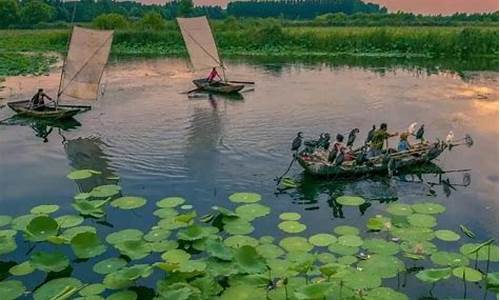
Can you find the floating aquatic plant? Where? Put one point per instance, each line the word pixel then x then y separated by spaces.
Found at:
pixel 350 200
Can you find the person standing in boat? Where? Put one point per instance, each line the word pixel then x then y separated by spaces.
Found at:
pixel 213 74
pixel 378 139
pixel 339 147
pixel 37 101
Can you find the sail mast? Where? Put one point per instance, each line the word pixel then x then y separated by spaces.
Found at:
pixel 66 56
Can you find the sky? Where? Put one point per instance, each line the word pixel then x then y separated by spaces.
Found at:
pixel 416 6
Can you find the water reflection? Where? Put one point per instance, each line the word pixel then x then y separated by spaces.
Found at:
pixel 42 128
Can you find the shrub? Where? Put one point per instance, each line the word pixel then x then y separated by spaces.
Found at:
pixel 110 21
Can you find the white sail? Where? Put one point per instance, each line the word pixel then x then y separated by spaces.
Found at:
pixel 200 43
pixel 87 55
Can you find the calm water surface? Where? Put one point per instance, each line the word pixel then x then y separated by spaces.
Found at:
pixel 160 143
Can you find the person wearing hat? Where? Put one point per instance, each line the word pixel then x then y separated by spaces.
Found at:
pixel 403 142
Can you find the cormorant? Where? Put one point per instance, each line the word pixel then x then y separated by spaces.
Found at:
pixel 420 133
pixel 369 137
pixel 297 141
pixel 339 159
pixel 352 137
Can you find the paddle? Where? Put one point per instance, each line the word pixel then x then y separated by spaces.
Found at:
pixel 191 91
pixel 244 82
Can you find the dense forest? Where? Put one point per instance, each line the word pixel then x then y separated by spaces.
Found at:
pixel 59 13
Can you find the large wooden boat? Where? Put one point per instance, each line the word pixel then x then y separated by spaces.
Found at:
pixel 22 108
pixel 316 163
pixel 218 86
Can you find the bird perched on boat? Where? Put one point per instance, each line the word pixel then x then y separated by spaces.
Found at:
pixel 352 137
pixel 420 133
pixel 369 137
pixel 412 128
pixel 324 140
pixel 450 137
pixel 297 142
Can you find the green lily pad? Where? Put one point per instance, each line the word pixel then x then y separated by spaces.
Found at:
pixel 313 291
pixel 7 244
pixel 249 261
pixel 128 202
pixel 418 248
pixel 413 233
pixel 384 293
pixel 44 209
pixel 326 258
pixel 421 220
pixel 193 232
pixel 163 246
pixel 346 230
pixel 350 200
pixel 362 280
pixel 21 222
pixel 382 266
pixel 292 226
pixel 243 292
pixel 87 245
pixel 447 235
pixel 342 249
pixel 67 221
pixel 379 223
pixel 449 259
pixel 380 246
pixel 11 289
pixel 252 211
pixel 92 289
pixel 429 208
pixel 170 202
pixel 399 209
pixel 109 265
pixel 50 290
pixel 105 191
pixel 93 208
pixel 434 275
pixel 218 250
pixel 126 277
pixel 322 239
pixel 124 235
pixel 42 227
pixel 290 216
pixel 245 197
pixel 236 241
pixel 49 261
pixel 5 220
pixel 350 240
pixel 80 174
pixel 482 254
pixel 347 260
pixel 267 239
pixel 269 251
pixel 82 196
pixel 296 244
pixel 134 249
pixel 22 269
pixel 468 274
pixel 70 233
pixel 238 226
pixel 123 295
pixel 157 234
pixel 176 256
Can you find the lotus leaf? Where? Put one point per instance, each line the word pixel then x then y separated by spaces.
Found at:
pixel 313 291
pixel 41 227
pixel 468 274
pixel 20 223
pixel 128 202
pixel 362 280
pixel 238 226
pixel 482 253
pixel 124 235
pixel 237 241
pixel 252 211
pixel 249 261
pixel 170 202
pixel 70 233
pixel 322 239
pixel 421 220
pixel 67 221
pixel 269 251
pixel 267 239
pixel 105 191
pixel 399 209
pixel 347 260
pixel 166 212
pixel 492 281
pixel 134 249
pixel 225 212
pixel 49 261
pixel 326 258
pixel 89 208
pixel 296 244
pixel 7 244
pixel 82 196
pixel 5 220
pixel 350 241
pixel 87 245
pixel 22 269
pixel 11 289
pixel 92 289
pixel 447 235
pixel 379 223
pixel 292 226
pixel 434 275
pixel 123 295
pixel 176 256
pixel 342 249
pixel 429 208
pixel 56 287
pixel 243 292
pixel 80 174
pixel 125 277
pixel 245 197
pixel 207 285
pixel 451 259
pixel 418 248
pixel 218 250
pixel 383 266
pixel 109 265
pixel 191 266
pixel 157 234
pixel 413 233
pixel 380 246
pixel 346 230
pixel 192 233
pixel 44 209
pixel 290 216
pixel 350 200
pixel 163 246
pixel 384 293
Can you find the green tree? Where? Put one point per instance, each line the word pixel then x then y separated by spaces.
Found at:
pixel 185 7
pixel 110 21
pixel 36 11
pixel 152 21
pixel 9 12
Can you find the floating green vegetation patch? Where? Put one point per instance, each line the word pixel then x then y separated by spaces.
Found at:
pixel 218 255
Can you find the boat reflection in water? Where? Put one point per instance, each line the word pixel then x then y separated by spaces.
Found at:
pixel 42 128
pixel 422 181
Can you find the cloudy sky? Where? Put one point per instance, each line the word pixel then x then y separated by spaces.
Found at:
pixel 416 6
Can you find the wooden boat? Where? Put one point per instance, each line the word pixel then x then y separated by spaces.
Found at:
pixel 317 164
pixel 218 87
pixel 22 108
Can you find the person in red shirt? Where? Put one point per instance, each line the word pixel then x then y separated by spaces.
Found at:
pixel 213 74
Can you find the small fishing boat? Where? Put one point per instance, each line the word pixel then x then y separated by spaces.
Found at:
pixel 22 108
pixel 218 87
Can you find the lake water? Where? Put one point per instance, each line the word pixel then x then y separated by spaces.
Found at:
pixel 162 143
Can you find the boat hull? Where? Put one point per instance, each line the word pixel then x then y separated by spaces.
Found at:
pixel 218 87
pixel 62 111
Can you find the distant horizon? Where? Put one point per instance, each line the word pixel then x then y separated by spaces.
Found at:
pixel 430 7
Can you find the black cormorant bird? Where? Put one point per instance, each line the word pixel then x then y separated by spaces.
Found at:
pixel 339 159
pixel 369 137
pixel 297 141
pixel 352 137
pixel 420 133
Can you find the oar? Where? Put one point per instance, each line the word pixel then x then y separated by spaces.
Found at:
pixel 191 91
pixel 244 82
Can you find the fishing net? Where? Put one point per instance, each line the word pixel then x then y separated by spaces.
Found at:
pixel 199 42
pixel 87 55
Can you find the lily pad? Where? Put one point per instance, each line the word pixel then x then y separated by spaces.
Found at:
pixel 193 232
pixel 5 220
pixel 429 208
pixel 400 209
pixel 413 233
pixel 11 289
pixel 44 209
pixel 20 223
pixel 237 241
pixel 449 259
pixel 296 244
pixel 362 280
pixel 49 261
pixel 22 269
pixel 482 253
pixel 350 200
pixel 238 226
pixel 346 230
pixel 322 239
pixel 92 289
pixel 109 265
pixel 126 277
pixel 42 227
pixel 70 233
pixel 421 220
pixel 385 293
pixel 269 251
pixel 347 260
pixel 382 266
pixel 342 249
pixel 292 226
pixel 249 261
pixel 380 246
pixel 434 275
pixel 123 295
pixel 67 221
pixel 170 202
pixel 80 174
pixel 128 202
pixel 218 250
pixel 252 211
pixel 379 223
pixel 87 245
pixel 313 291
pixel 350 240
pixel 105 191
pixel 245 197
pixel 166 212
pixel 55 287
pixel 243 292
pixel 290 216
pixel 468 274
pixel 134 249
pixel 157 234
pixel 447 235
pixel 124 235
pixel 176 256
pixel 418 248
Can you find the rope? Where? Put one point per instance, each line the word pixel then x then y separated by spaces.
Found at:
pixel 219 63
